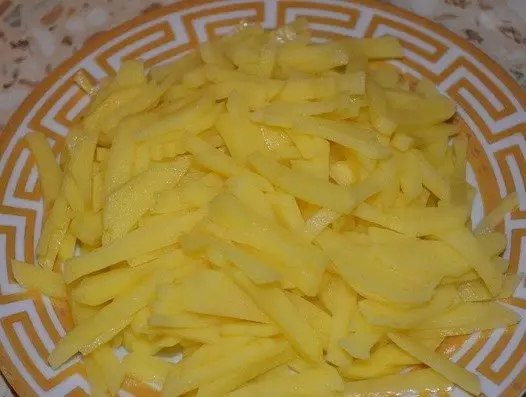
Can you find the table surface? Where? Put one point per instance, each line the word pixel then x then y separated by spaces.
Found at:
pixel 37 35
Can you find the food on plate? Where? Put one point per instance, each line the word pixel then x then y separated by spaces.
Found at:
pixel 285 218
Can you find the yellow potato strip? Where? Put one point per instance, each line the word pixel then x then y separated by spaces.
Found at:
pixel 439 363
pixel 488 223
pixel 107 322
pixel 274 303
pixel 421 381
pixel 148 238
pixel 48 169
pixel 35 278
pixel 312 190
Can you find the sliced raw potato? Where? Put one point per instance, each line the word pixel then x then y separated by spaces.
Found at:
pixel 244 375
pixel 419 381
pixel 318 319
pixel 158 234
pixel 48 169
pixel 472 317
pixel 274 303
pixel 185 381
pixel 380 281
pixel 507 205
pixel 312 190
pixel 147 369
pixel 126 205
pixel 212 293
pixel 439 363
pixel 315 382
pixel 476 291
pixel 36 278
pixel 466 244
pixel 106 323
pixel 247 227
pixel 398 318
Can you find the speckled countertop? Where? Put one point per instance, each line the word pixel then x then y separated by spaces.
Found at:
pixel 37 35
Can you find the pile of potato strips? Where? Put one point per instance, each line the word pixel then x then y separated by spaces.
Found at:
pixel 284 218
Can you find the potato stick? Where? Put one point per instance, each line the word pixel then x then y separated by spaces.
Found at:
pixel 412 221
pixel 440 364
pixel 178 120
pixel 172 72
pixel 247 227
pixel 249 194
pixel 379 109
pixel 420 381
pixel 383 315
pixel 73 195
pixel 286 209
pixel 156 235
pixel 125 206
pixel 384 287
pixel 252 266
pixel 338 198
pixel 431 179
pixel 81 163
pixel 84 81
pixel 100 288
pixel 67 248
pixel 53 233
pixel 313 58
pixel 183 320
pixel 48 169
pixel 345 133
pixel 149 98
pixel 343 307
pixel 492 243
pixel 318 319
pixel 459 185
pixel 111 367
pixel 496 216
pixel 87 227
pixel 465 243
pixel 246 356
pixel 147 369
pixel 473 316
pixel 314 382
pixel 108 322
pixel 476 291
pixel 95 377
pixel 310 88
pixel 120 161
pixel 221 163
pixel 256 330
pixel 319 221
pixel 131 72
pixel 222 386
pixel 209 353
pixel 359 345
pixel 274 303
pixel 428 135
pixel 377 48
pixel 36 278
pixel 221 299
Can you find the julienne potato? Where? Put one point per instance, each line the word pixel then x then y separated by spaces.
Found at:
pixel 291 219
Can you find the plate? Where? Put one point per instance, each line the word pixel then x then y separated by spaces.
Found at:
pixel 490 111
